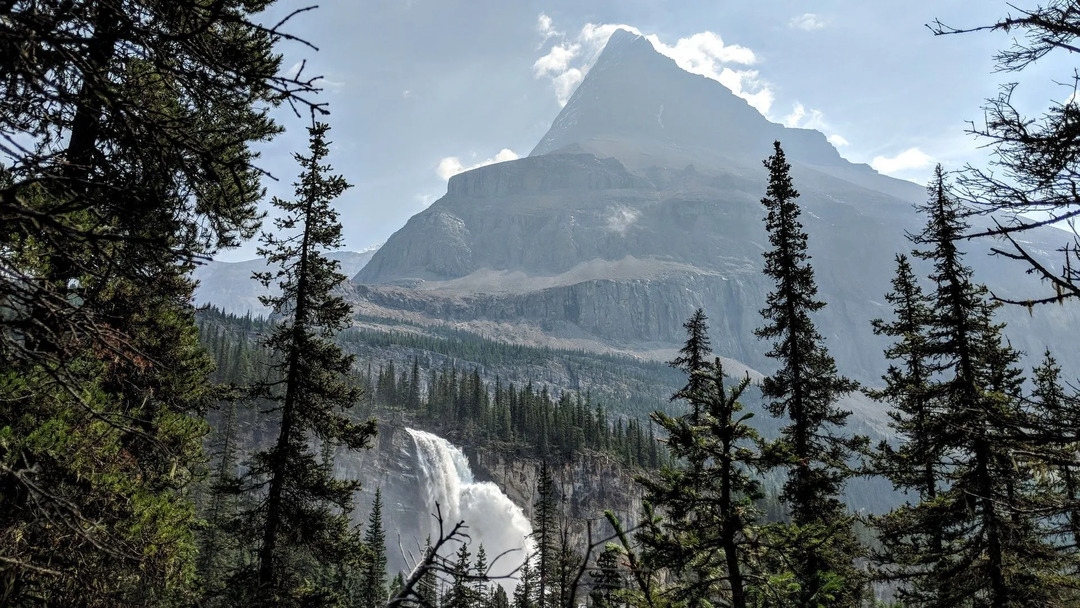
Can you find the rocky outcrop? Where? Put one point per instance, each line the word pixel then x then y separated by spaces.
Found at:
pixel 641 204
pixel 587 485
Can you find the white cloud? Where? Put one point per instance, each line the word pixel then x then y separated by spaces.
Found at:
pixel 801 118
pixel 912 158
pixel 838 140
pixel 807 21
pixel 452 165
pixel 703 53
pixel 557 60
pixel 546 28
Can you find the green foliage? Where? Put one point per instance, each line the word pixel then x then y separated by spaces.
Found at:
pixel 978 537
pixel 805 388
pixel 302 517
pixel 705 536
pixel 373 575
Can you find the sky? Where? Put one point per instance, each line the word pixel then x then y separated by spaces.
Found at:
pixel 419 90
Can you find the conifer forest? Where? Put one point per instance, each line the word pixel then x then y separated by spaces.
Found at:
pixel 577 380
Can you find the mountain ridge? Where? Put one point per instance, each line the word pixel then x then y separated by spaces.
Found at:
pixel 617 227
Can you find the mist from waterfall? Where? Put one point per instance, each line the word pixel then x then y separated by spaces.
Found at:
pixel 493 520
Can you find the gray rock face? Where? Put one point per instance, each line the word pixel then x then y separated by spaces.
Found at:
pixel 642 203
pixel 589 484
pixel 586 486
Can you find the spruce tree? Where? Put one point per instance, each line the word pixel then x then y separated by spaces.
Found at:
pixel 694 355
pixel 912 466
pixel 459 593
pixel 546 534
pixel 607 579
pixel 1057 426
pixel 992 551
pixel 373 578
pixel 707 502
pixel 127 129
pixel 304 518
pixel 428 588
pixel 480 585
pixel 805 388
pixel 525 592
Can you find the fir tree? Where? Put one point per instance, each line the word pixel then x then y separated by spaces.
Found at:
pixel 694 355
pixel 304 517
pixel 480 585
pixel 546 534
pixel 913 465
pixel 459 594
pixel 805 388
pixel 373 578
pixel 525 592
pixel 607 579
pixel 992 553
pixel 1057 425
pixel 428 589
pixel 707 504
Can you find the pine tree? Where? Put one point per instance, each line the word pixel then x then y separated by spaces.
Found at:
pixel 805 388
pixel 373 578
pixel 304 517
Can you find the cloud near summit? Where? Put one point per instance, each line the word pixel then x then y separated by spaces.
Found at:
pixel 704 53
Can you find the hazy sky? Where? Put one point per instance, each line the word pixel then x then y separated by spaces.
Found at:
pixel 420 89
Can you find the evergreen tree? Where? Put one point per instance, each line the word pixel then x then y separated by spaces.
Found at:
pixel 397 585
pixel 693 356
pixel 480 586
pixel 459 594
pixel 428 589
pixel 546 534
pixel 1035 168
pixel 607 579
pixel 805 388
pixel 913 465
pixel 217 547
pixel 304 519
pixel 498 598
pixel 526 591
pixel 133 123
pixel 993 553
pixel 1057 427
pixel 373 579
pixel 707 504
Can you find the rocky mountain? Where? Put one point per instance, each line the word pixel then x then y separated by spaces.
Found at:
pixel 641 203
pixel 229 286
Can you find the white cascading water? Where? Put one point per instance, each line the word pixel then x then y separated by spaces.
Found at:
pixel 493 520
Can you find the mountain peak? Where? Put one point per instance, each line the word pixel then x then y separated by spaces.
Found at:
pixel 639 106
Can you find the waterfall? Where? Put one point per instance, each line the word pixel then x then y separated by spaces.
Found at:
pixel 493 520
